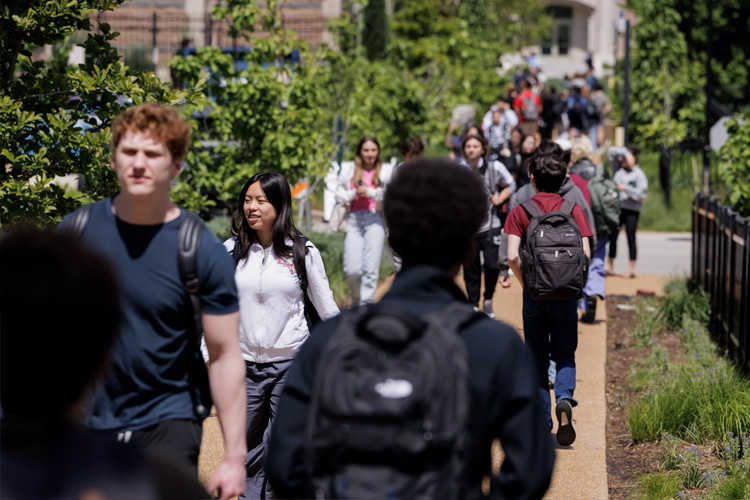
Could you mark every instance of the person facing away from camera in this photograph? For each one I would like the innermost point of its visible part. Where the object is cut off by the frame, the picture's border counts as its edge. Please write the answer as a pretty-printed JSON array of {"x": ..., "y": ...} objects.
[
  {"x": 434, "y": 236},
  {"x": 550, "y": 326}
]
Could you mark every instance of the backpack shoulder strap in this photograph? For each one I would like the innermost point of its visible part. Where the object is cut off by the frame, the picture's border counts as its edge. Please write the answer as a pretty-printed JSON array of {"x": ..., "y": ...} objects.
[
  {"x": 567, "y": 207},
  {"x": 79, "y": 220},
  {"x": 298, "y": 259},
  {"x": 188, "y": 244},
  {"x": 532, "y": 208}
]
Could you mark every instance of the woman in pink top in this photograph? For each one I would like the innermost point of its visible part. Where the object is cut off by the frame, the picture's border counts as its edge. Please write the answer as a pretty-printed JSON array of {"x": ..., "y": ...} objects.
[{"x": 365, "y": 233}]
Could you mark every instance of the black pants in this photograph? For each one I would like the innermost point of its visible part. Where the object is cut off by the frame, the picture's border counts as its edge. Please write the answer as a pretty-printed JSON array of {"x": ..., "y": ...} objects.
[
  {"x": 628, "y": 218},
  {"x": 180, "y": 440},
  {"x": 487, "y": 245}
]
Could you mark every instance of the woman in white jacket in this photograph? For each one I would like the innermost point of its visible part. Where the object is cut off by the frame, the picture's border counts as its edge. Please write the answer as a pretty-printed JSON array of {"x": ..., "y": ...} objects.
[
  {"x": 365, "y": 232},
  {"x": 272, "y": 315}
]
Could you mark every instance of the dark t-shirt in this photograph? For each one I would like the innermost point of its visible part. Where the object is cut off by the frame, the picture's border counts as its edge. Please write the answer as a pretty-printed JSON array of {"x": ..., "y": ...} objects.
[
  {"x": 148, "y": 378},
  {"x": 518, "y": 219}
]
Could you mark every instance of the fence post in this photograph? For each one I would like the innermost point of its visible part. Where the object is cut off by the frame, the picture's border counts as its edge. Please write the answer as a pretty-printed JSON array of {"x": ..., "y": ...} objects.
[{"x": 208, "y": 29}]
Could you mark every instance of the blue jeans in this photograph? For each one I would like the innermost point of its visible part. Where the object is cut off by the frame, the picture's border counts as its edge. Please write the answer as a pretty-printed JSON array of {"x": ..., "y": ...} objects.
[
  {"x": 550, "y": 330},
  {"x": 363, "y": 248},
  {"x": 595, "y": 282}
]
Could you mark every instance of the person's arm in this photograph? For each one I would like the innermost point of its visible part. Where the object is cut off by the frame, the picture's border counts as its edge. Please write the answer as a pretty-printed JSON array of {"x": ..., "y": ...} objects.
[
  {"x": 511, "y": 117},
  {"x": 449, "y": 135},
  {"x": 514, "y": 257},
  {"x": 344, "y": 192},
  {"x": 529, "y": 453},
  {"x": 318, "y": 288},
  {"x": 614, "y": 154},
  {"x": 227, "y": 378},
  {"x": 637, "y": 192},
  {"x": 587, "y": 247},
  {"x": 501, "y": 197}
]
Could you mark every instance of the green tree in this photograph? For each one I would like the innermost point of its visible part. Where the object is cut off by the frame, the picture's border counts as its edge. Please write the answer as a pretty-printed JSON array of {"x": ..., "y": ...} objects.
[
  {"x": 44, "y": 104},
  {"x": 735, "y": 167},
  {"x": 375, "y": 33},
  {"x": 265, "y": 117},
  {"x": 453, "y": 49}
]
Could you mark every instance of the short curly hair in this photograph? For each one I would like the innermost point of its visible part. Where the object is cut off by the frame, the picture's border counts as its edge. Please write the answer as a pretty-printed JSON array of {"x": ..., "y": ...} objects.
[
  {"x": 159, "y": 122},
  {"x": 433, "y": 207}
]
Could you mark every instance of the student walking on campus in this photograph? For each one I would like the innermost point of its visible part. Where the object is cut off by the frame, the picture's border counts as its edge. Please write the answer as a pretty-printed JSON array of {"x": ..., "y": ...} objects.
[
  {"x": 550, "y": 326},
  {"x": 273, "y": 324},
  {"x": 499, "y": 185},
  {"x": 365, "y": 233},
  {"x": 433, "y": 234},
  {"x": 632, "y": 185},
  {"x": 152, "y": 396}
]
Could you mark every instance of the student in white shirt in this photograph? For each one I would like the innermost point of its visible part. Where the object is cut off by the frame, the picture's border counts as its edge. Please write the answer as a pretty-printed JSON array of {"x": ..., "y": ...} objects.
[{"x": 272, "y": 308}]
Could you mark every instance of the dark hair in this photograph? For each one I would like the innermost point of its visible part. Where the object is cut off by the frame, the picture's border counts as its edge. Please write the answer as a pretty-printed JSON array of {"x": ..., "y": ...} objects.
[
  {"x": 477, "y": 137},
  {"x": 278, "y": 194},
  {"x": 597, "y": 86},
  {"x": 635, "y": 151},
  {"x": 59, "y": 311},
  {"x": 549, "y": 171},
  {"x": 428, "y": 229},
  {"x": 411, "y": 145}
]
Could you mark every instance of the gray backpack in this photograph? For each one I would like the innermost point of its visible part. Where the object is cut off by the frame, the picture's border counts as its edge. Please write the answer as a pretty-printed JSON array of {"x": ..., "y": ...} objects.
[{"x": 554, "y": 265}]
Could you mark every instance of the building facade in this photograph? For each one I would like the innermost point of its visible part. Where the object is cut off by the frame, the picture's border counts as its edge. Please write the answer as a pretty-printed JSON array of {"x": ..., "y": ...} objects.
[{"x": 580, "y": 27}]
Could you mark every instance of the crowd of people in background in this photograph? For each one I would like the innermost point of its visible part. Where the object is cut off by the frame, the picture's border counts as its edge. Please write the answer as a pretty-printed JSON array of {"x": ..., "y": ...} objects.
[{"x": 262, "y": 294}]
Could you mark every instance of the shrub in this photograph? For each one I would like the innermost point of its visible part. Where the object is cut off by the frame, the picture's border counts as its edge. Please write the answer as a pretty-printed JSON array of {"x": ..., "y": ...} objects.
[
  {"x": 683, "y": 299},
  {"x": 658, "y": 486}
]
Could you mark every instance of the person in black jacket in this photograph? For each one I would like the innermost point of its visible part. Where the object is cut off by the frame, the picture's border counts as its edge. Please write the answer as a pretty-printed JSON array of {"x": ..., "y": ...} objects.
[{"x": 433, "y": 236}]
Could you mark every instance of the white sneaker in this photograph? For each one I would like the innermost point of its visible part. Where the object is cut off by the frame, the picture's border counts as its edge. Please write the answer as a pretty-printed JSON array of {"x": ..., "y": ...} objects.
[{"x": 487, "y": 308}]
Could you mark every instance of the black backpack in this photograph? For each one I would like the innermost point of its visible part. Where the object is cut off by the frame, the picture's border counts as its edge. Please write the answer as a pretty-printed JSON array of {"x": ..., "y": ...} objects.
[
  {"x": 311, "y": 314},
  {"x": 188, "y": 244},
  {"x": 390, "y": 406},
  {"x": 554, "y": 264}
]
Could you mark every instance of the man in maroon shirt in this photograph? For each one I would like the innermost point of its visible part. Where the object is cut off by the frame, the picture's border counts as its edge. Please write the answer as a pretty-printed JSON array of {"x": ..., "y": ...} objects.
[{"x": 550, "y": 327}]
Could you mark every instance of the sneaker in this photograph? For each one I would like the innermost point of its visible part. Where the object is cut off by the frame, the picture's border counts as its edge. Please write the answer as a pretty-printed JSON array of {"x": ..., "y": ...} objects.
[
  {"x": 487, "y": 308},
  {"x": 565, "y": 432},
  {"x": 589, "y": 313}
]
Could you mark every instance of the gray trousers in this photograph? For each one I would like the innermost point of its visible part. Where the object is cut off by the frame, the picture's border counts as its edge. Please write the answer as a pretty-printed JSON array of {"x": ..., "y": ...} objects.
[{"x": 263, "y": 384}]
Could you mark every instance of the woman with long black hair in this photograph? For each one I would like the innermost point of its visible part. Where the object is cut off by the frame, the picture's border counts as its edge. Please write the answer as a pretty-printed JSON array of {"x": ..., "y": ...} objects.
[{"x": 273, "y": 326}]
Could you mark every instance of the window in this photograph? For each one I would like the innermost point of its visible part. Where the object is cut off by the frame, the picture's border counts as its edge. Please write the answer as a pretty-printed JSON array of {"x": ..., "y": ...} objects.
[{"x": 558, "y": 43}]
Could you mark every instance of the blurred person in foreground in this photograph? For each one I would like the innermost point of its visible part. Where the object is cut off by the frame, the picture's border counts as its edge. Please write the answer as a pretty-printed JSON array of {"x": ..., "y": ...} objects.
[{"x": 59, "y": 316}]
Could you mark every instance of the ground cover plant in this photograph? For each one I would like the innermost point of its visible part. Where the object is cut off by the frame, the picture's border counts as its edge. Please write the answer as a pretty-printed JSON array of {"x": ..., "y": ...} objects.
[{"x": 687, "y": 409}]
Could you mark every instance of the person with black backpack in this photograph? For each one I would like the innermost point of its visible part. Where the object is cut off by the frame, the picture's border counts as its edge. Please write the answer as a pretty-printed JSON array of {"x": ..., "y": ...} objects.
[
  {"x": 552, "y": 268},
  {"x": 156, "y": 393},
  {"x": 283, "y": 291},
  {"x": 403, "y": 398}
]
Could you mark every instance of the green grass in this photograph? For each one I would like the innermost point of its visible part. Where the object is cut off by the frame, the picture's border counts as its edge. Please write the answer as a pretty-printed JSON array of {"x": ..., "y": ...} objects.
[{"x": 659, "y": 486}]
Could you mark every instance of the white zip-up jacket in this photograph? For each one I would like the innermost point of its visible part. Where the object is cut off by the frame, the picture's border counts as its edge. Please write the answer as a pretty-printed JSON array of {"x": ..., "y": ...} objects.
[{"x": 272, "y": 316}]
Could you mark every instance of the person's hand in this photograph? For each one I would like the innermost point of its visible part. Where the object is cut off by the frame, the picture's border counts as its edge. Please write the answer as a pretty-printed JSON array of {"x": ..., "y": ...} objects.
[
  {"x": 621, "y": 187},
  {"x": 453, "y": 126},
  {"x": 361, "y": 191},
  {"x": 505, "y": 281},
  {"x": 505, "y": 152},
  {"x": 229, "y": 480}
]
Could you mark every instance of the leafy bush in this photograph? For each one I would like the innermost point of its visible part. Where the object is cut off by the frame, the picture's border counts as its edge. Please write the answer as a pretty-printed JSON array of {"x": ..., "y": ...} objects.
[
  {"x": 735, "y": 171},
  {"x": 684, "y": 300},
  {"x": 658, "y": 486}
]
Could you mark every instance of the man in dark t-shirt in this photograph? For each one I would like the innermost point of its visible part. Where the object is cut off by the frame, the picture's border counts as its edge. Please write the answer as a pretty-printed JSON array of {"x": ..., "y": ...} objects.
[
  {"x": 550, "y": 327},
  {"x": 149, "y": 397}
]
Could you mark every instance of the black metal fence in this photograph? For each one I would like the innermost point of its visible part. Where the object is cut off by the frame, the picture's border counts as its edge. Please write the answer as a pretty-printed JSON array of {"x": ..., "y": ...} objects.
[{"x": 721, "y": 265}]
